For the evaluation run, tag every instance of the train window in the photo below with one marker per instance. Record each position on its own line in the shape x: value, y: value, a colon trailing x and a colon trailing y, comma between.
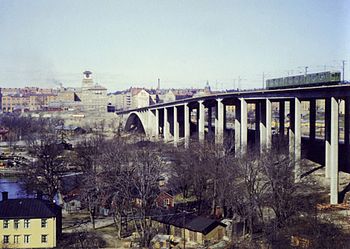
x: 313, y: 78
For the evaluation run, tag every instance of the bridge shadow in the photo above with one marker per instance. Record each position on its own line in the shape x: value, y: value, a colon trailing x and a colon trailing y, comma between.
x: 342, y: 193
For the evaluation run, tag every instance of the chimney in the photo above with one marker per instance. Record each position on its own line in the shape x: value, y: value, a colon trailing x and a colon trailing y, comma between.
x: 5, y: 196
x: 39, y: 195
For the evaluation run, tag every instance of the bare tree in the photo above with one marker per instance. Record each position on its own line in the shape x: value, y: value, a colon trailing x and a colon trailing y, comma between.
x: 248, y: 189
x: 116, y: 178
x: 146, y: 167
x: 181, y: 171
x: 46, y: 170
x: 88, y: 154
x: 282, y: 190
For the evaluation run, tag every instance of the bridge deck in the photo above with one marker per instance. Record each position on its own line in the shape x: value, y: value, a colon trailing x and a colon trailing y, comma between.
x: 338, y: 91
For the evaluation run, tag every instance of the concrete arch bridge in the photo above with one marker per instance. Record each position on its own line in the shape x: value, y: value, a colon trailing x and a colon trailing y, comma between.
x: 309, y: 118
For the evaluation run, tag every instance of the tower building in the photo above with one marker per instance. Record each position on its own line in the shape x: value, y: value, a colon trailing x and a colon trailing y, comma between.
x: 93, y: 96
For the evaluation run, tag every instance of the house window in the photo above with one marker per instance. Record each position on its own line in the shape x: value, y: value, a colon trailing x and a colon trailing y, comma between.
x: 43, y: 223
x: 16, y: 239
x: 6, y: 224
x: 16, y: 224
x: 6, y: 239
x: 26, y: 223
x: 26, y: 239
x: 44, y: 238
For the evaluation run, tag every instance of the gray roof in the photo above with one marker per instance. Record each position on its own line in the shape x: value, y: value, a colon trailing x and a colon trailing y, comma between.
x: 28, y: 208
x: 190, y: 221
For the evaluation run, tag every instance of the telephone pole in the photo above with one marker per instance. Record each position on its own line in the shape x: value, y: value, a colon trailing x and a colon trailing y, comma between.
x: 343, y: 62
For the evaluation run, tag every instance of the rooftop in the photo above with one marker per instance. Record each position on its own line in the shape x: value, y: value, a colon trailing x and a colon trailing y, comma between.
x: 28, y: 208
x: 189, y: 221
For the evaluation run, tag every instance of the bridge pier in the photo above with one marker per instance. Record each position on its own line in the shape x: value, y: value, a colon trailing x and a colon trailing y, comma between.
x: 166, y: 126
x: 268, y: 124
x: 244, y: 126
x: 297, y: 139
x: 281, y: 118
x: 176, y: 127
x: 328, y: 124
x: 219, y: 122
x: 263, y: 121
x: 201, y: 121
x: 257, y: 123
x: 150, y: 121
x: 347, y: 130
x: 187, y: 125
x: 291, y: 131
x: 262, y: 126
x: 334, y: 150
x: 156, y: 131
x: 295, y: 136
x: 237, y: 128
x: 312, y: 120
x: 210, y: 126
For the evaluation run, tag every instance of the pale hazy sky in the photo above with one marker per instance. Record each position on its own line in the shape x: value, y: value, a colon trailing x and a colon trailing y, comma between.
x: 184, y: 43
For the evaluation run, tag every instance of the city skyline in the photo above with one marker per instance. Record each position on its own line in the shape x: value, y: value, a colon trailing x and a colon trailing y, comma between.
x: 184, y: 43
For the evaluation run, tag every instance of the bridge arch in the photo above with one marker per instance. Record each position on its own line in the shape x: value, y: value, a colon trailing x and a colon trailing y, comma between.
x: 135, y: 122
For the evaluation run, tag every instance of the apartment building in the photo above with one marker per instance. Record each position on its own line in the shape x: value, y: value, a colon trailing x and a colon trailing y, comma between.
x: 26, y: 101
x: 29, y: 223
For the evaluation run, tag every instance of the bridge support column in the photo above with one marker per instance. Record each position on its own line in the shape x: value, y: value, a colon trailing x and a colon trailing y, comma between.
x: 187, y: 125
x: 166, y: 128
x: 201, y: 121
x: 347, y: 130
x: 219, y: 122
x: 268, y: 124
x: 176, y: 128
x: 210, y: 126
x: 237, y: 129
x: 257, y: 123
x: 312, y: 108
x: 265, y: 116
x: 281, y: 118
x: 262, y: 126
x: 327, y: 136
x: 244, y: 126
x: 334, y: 150
x: 156, y: 131
x: 150, y: 125
x: 225, y: 118
x: 297, y: 141
x: 291, y: 134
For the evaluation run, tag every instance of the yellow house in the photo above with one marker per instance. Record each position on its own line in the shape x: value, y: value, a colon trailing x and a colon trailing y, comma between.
x: 29, y: 223
x: 189, y: 227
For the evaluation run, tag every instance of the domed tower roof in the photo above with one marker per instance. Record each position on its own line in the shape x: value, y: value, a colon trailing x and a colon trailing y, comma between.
x: 87, y: 74
x: 87, y: 80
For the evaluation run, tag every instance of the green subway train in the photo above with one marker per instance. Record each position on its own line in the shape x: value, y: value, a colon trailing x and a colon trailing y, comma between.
x: 312, y: 79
